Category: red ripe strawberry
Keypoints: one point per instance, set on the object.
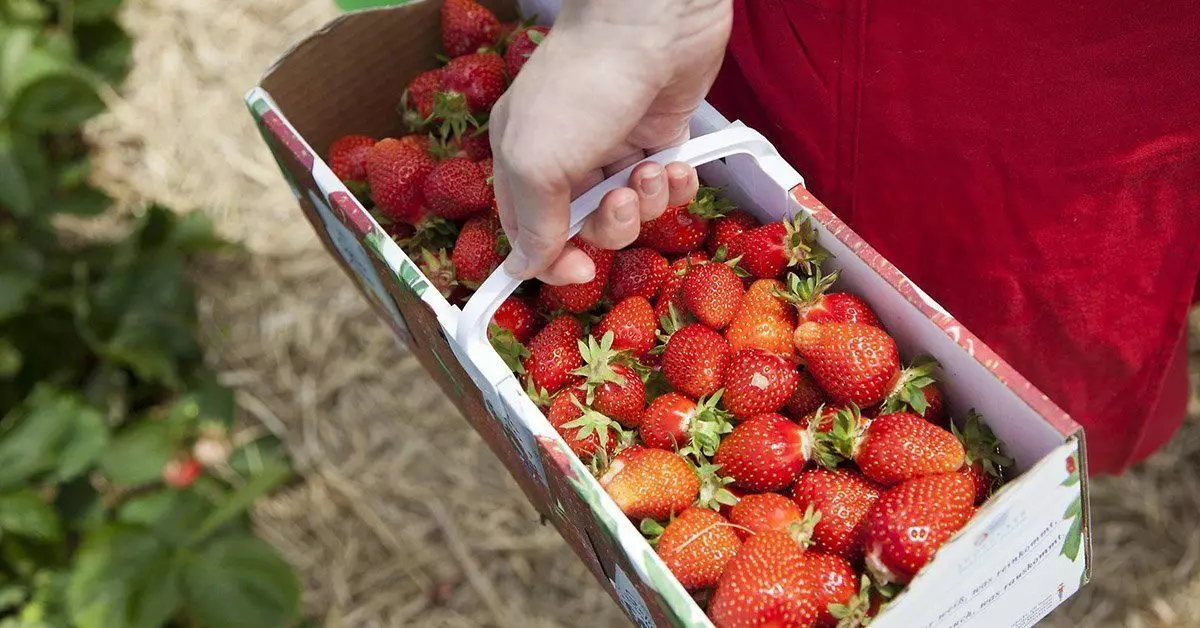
(396, 172)
(516, 316)
(767, 250)
(348, 157)
(419, 97)
(675, 422)
(839, 586)
(554, 354)
(764, 453)
(632, 324)
(479, 250)
(547, 303)
(694, 360)
(726, 228)
(670, 293)
(771, 582)
(696, 546)
(479, 77)
(823, 416)
(478, 148)
(712, 292)
(467, 26)
(806, 399)
(416, 141)
(910, 522)
(985, 462)
(891, 448)
(853, 362)
(843, 498)
(439, 269)
(649, 483)
(935, 406)
(522, 44)
(637, 272)
(763, 320)
(585, 430)
(683, 228)
(613, 389)
(763, 512)
(757, 382)
(457, 188)
(814, 303)
(180, 473)
(577, 298)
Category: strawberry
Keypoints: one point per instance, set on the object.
(439, 269)
(512, 326)
(853, 362)
(842, 596)
(712, 293)
(694, 360)
(547, 302)
(417, 103)
(935, 410)
(814, 303)
(985, 461)
(467, 26)
(820, 419)
(479, 77)
(757, 382)
(348, 157)
(910, 522)
(696, 546)
(843, 498)
(670, 293)
(475, 146)
(909, 392)
(396, 172)
(479, 250)
(764, 453)
(675, 422)
(521, 44)
(891, 448)
(807, 397)
(516, 316)
(181, 472)
(768, 250)
(457, 189)
(763, 320)
(416, 140)
(726, 228)
(726, 510)
(585, 430)
(763, 512)
(613, 389)
(683, 228)
(633, 325)
(577, 298)
(771, 581)
(649, 483)
(554, 354)
(639, 272)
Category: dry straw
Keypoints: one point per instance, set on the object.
(403, 517)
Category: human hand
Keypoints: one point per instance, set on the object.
(613, 81)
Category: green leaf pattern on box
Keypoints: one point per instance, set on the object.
(1074, 513)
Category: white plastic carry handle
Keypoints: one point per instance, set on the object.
(478, 312)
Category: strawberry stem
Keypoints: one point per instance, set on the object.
(908, 393)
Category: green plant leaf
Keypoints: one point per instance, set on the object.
(51, 95)
(172, 515)
(105, 48)
(40, 430)
(16, 191)
(274, 473)
(21, 269)
(80, 506)
(84, 200)
(25, 513)
(138, 453)
(240, 582)
(86, 441)
(92, 10)
(124, 577)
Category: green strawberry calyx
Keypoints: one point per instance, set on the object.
(841, 442)
(510, 349)
(652, 530)
(710, 203)
(713, 493)
(854, 613)
(982, 445)
(802, 531)
(908, 392)
(805, 292)
(800, 244)
(592, 422)
(597, 370)
(709, 422)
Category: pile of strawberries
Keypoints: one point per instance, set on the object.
(756, 423)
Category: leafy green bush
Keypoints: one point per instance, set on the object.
(123, 501)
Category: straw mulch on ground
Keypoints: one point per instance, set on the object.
(402, 516)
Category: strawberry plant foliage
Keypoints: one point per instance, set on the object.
(103, 387)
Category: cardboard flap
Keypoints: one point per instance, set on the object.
(393, 42)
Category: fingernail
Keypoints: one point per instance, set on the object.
(652, 184)
(583, 273)
(516, 264)
(627, 209)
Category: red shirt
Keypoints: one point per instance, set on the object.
(1035, 167)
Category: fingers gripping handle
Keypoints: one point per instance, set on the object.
(478, 312)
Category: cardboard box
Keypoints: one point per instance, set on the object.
(1026, 550)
